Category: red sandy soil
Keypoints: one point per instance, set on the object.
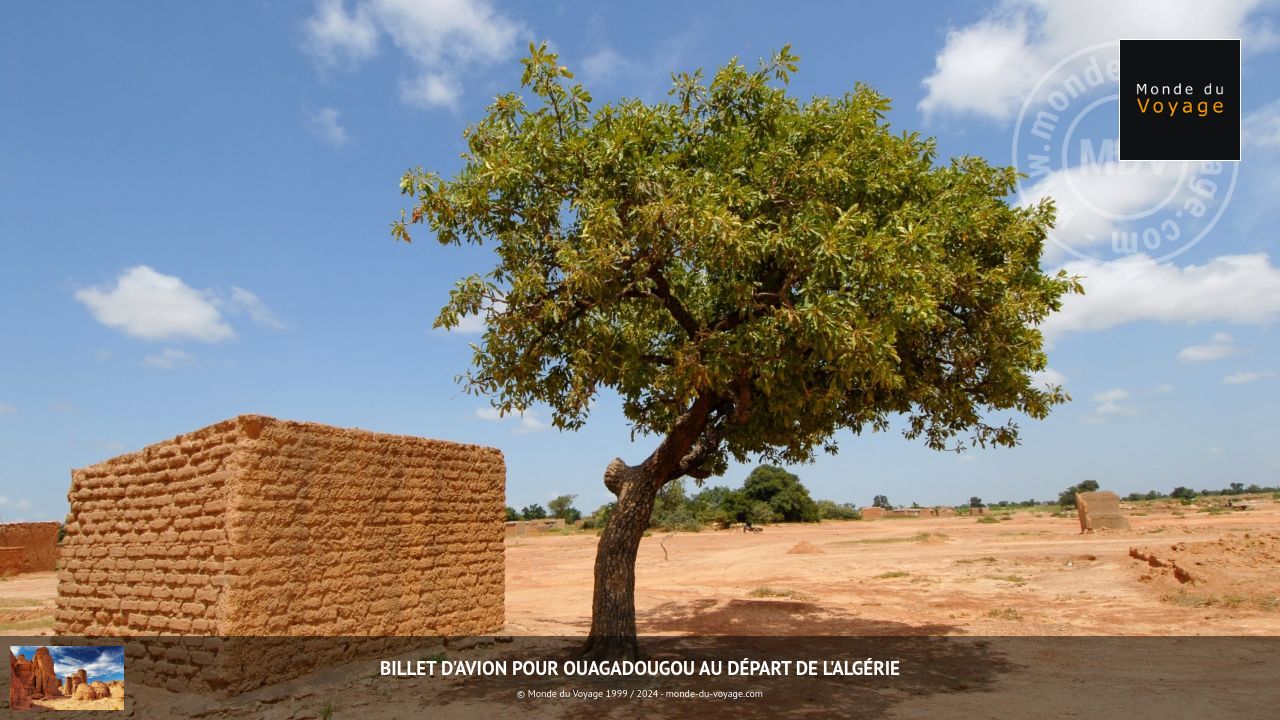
(1029, 575)
(1024, 576)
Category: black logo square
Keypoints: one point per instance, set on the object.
(1179, 99)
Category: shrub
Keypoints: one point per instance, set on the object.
(830, 510)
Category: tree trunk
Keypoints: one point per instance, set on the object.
(613, 607)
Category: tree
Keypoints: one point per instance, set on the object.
(975, 502)
(882, 501)
(533, 512)
(1182, 493)
(831, 510)
(1067, 498)
(747, 271)
(785, 495)
(512, 514)
(562, 507)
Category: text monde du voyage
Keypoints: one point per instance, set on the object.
(1181, 99)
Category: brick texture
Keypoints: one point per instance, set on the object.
(10, 560)
(256, 526)
(39, 543)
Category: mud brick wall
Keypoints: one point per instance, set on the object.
(39, 543)
(256, 526)
(10, 560)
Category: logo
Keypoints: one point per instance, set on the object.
(1067, 145)
(66, 677)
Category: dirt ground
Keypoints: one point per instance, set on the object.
(1031, 574)
(1026, 575)
(1178, 572)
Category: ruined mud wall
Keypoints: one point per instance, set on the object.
(256, 526)
(146, 548)
(39, 543)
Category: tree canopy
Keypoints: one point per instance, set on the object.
(784, 268)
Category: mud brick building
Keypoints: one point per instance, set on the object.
(256, 526)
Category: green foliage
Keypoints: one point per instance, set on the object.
(830, 510)
(512, 514)
(882, 501)
(533, 512)
(759, 513)
(598, 519)
(1183, 493)
(672, 510)
(562, 507)
(787, 498)
(975, 502)
(1067, 498)
(793, 264)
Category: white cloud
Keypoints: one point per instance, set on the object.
(6, 409)
(442, 39)
(243, 301)
(1081, 192)
(1243, 377)
(334, 35)
(988, 68)
(1238, 289)
(1261, 128)
(168, 359)
(324, 124)
(431, 90)
(603, 65)
(527, 421)
(104, 664)
(1047, 379)
(1220, 346)
(1111, 402)
(152, 306)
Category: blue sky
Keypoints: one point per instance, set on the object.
(101, 663)
(195, 199)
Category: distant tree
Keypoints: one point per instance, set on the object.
(598, 519)
(783, 491)
(512, 514)
(882, 501)
(751, 271)
(975, 502)
(915, 505)
(831, 510)
(672, 510)
(1067, 498)
(533, 512)
(759, 513)
(1237, 488)
(562, 507)
(1183, 493)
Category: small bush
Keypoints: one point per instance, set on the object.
(988, 519)
(892, 574)
(1004, 614)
